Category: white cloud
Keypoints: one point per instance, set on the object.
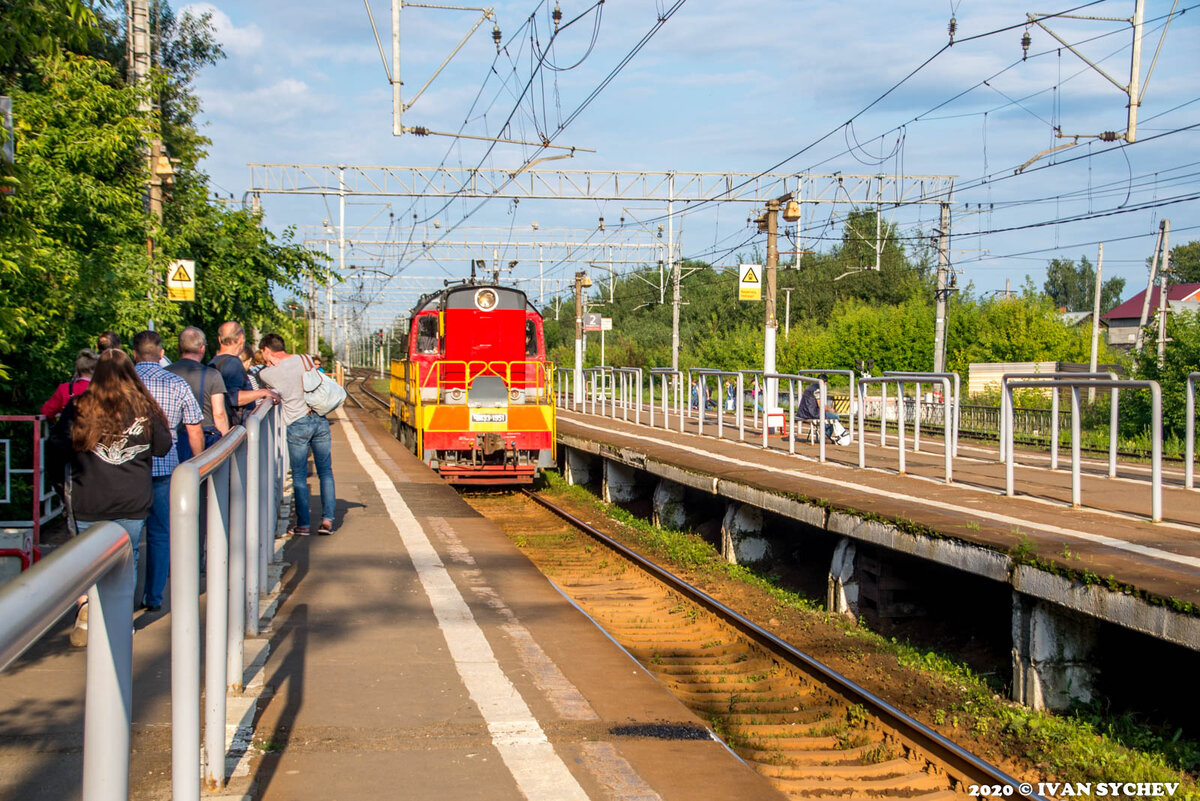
(238, 42)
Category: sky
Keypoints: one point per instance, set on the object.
(761, 86)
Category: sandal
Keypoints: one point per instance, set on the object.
(326, 527)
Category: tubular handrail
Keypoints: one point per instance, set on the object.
(100, 562)
(1112, 415)
(1189, 469)
(882, 380)
(949, 402)
(628, 378)
(676, 381)
(701, 396)
(793, 379)
(239, 481)
(1074, 385)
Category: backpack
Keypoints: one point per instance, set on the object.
(321, 393)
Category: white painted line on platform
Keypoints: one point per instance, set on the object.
(535, 767)
(1099, 539)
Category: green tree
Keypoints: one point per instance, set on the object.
(1072, 287)
(1185, 262)
(1182, 357)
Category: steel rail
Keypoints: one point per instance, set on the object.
(970, 769)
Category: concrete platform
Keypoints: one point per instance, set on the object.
(1033, 542)
(415, 653)
(419, 654)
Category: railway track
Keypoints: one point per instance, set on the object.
(810, 731)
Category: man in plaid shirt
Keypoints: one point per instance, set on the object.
(178, 403)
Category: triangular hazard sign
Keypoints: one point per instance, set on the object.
(750, 277)
(181, 274)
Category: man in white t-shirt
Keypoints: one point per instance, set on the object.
(306, 430)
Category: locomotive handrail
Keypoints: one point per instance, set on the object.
(537, 375)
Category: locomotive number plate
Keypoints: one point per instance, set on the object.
(489, 417)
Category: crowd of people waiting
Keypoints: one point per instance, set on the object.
(126, 419)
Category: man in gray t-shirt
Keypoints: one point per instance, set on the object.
(306, 430)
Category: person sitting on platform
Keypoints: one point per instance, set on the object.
(810, 409)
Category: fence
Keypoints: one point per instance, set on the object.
(1074, 385)
(1189, 469)
(36, 496)
(242, 480)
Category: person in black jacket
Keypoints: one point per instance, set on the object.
(106, 437)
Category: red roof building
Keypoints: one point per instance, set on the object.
(1123, 320)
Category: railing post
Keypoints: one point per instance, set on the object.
(1054, 428)
(820, 419)
(949, 451)
(1156, 511)
(108, 702)
(1189, 468)
(236, 628)
(1076, 432)
(1006, 413)
(883, 414)
(185, 633)
(253, 516)
(1113, 427)
(215, 624)
(741, 407)
(917, 421)
(900, 422)
(862, 411)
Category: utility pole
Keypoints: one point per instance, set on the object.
(1093, 362)
(942, 291)
(1163, 278)
(581, 282)
(769, 276)
(1140, 337)
(676, 268)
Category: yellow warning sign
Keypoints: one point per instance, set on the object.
(750, 282)
(181, 280)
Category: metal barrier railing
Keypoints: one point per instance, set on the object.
(703, 374)
(1005, 403)
(822, 390)
(1074, 385)
(565, 383)
(629, 386)
(101, 563)
(44, 504)
(951, 404)
(1189, 467)
(676, 383)
(224, 471)
(899, 381)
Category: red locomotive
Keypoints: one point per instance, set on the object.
(474, 397)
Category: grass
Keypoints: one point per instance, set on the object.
(1087, 745)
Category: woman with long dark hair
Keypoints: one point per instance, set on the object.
(106, 438)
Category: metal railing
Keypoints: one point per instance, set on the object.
(1074, 385)
(101, 563)
(1008, 419)
(235, 531)
(822, 391)
(670, 379)
(44, 503)
(628, 391)
(951, 403)
(702, 395)
(899, 380)
(1189, 467)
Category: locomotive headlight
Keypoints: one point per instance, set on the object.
(516, 395)
(486, 299)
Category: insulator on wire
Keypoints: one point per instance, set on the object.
(1026, 40)
(556, 15)
(953, 28)
(496, 37)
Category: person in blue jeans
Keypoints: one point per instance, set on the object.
(306, 430)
